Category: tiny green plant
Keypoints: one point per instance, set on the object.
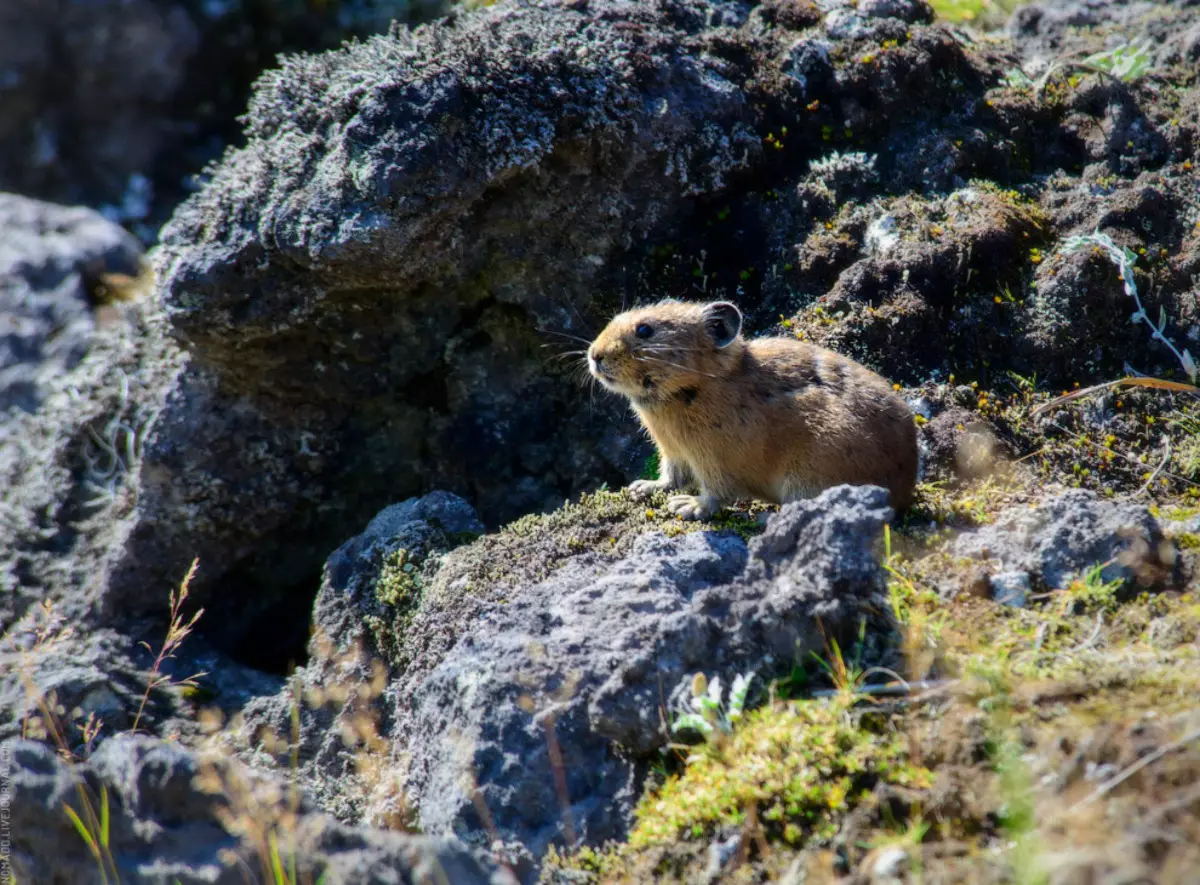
(1127, 62)
(1124, 259)
(847, 678)
(651, 467)
(706, 713)
(1015, 78)
(1018, 817)
(1091, 592)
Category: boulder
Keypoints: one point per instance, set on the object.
(119, 104)
(535, 722)
(1065, 536)
(84, 368)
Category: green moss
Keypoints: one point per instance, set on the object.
(802, 765)
(796, 768)
(1188, 540)
(1175, 514)
(398, 583)
(603, 524)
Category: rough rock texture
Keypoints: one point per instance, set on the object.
(367, 319)
(548, 703)
(1046, 31)
(1066, 535)
(53, 261)
(180, 817)
(382, 338)
(80, 382)
(116, 103)
(354, 309)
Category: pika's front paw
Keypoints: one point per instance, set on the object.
(691, 507)
(642, 489)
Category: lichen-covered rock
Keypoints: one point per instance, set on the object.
(82, 377)
(535, 722)
(1067, 535)
(169, 814)
(364, 312)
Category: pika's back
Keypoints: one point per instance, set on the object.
(772, 418)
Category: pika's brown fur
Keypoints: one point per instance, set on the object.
(772, 418)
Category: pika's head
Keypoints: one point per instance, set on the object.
(653, 353)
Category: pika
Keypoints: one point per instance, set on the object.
(770, 418)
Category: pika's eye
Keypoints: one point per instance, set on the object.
(643, 330)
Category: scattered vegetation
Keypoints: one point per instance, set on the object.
(601, 524)
(988, 745)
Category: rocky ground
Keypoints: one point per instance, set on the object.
(426, 638)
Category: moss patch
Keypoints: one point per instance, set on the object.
(600, 525)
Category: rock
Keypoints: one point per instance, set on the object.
(53, 262)
(81, 379)
(548, 700)
(1059, 29)
(384, 338)
(1065, 536)
(55, 684)
(77, 687)
(1010, 588)
(174, 815)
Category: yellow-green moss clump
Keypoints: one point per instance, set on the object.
(399, 583)
(799, 764)
(790, 773)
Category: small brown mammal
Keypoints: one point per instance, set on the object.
(772, 418)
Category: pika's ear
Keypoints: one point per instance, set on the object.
(723, 321)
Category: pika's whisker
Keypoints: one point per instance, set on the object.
(565, 335)
(655, 359)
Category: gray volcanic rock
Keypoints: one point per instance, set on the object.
(52, 260)
(548, 701)
(179, 817)
(1064, 536)
(362, 285)
(365, 291)
(80, 386)
(1053, 30)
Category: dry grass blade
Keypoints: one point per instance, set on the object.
(177, 631)
(1116, 780)
(1154, 383)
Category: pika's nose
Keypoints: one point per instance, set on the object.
(597, 359)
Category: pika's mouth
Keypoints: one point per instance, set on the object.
(600, 373)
